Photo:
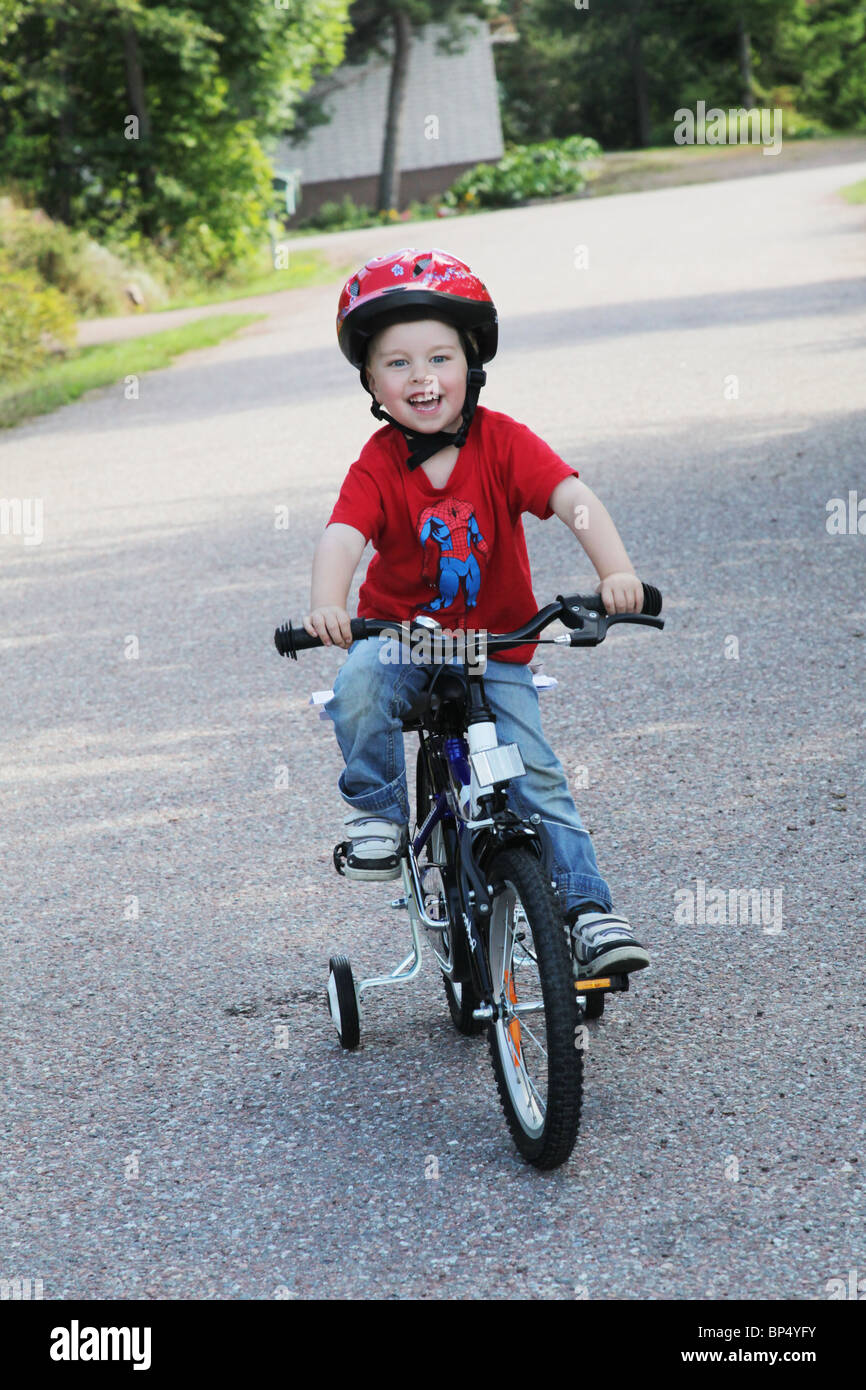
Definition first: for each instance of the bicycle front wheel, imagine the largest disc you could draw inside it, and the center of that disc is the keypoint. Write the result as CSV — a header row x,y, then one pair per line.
x,y
536,1043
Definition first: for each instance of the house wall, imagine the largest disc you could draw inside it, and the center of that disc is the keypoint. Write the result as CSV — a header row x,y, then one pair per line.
x,y
414,184
451,122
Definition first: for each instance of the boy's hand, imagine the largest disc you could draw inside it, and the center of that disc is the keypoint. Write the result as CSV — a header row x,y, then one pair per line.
x,y
621,592
332,624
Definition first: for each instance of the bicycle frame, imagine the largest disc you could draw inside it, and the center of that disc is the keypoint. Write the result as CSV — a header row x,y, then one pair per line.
x,y
453,803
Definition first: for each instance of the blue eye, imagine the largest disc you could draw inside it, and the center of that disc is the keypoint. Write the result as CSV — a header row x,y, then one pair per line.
x,y
440,356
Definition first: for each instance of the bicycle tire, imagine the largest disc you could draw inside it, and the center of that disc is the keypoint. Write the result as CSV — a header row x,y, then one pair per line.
x,y
541,1099
342,1001
461,998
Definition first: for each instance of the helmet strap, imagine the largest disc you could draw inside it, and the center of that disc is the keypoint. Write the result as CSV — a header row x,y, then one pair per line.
x,y
423,446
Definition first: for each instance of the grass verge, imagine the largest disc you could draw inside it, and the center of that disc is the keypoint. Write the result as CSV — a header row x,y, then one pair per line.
x,y
672,166
854,192
83,369
304,268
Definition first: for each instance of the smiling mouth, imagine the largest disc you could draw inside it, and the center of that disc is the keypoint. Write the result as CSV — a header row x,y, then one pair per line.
x,y
425,405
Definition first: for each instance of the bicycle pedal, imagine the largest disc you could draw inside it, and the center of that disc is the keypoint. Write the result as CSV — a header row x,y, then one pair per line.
x,y
399,902
340,853
614,983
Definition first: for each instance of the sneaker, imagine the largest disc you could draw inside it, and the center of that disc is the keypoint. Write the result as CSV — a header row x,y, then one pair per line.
x,y
373,847
603,943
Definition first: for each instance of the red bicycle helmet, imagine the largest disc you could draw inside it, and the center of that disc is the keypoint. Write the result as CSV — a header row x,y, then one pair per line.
x,y
412,284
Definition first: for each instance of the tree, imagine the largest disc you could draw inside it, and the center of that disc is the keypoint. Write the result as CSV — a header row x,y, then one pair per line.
x,y
10,13
833,85
389,26
133,117
619,69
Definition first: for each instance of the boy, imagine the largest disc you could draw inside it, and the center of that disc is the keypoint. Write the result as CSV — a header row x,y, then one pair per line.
x,y
444,517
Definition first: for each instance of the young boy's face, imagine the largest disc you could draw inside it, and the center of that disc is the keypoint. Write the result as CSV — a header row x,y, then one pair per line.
x,y
422,361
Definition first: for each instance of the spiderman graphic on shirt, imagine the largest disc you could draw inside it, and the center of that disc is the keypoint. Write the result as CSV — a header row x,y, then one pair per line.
x,y
448,531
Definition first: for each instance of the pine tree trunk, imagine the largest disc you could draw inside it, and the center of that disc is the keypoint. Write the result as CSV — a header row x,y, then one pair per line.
x,y
138,105
639,80
389,182
63,169
745,57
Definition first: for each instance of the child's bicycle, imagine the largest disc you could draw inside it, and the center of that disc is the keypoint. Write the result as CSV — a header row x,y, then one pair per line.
x,y
475,879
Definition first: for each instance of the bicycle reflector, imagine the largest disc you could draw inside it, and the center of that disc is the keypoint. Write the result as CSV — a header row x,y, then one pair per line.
x,y
492,765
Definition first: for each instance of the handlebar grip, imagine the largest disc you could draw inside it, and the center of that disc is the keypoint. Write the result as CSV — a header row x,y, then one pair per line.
x,y
652,602
291,640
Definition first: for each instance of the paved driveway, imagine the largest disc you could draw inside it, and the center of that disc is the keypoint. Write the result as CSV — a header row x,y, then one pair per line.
x,y
179,1119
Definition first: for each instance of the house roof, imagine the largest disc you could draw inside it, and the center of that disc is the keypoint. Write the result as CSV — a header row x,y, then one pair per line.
x,y
451,114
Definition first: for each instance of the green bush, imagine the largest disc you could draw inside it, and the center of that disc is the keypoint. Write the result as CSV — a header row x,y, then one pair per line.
x,y
525,171
34,320
796,126
345,215
746,126
92,277
216,221
339,216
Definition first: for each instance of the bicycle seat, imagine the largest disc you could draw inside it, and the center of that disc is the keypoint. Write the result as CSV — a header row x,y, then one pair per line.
x,y
448,685
414,715
448,688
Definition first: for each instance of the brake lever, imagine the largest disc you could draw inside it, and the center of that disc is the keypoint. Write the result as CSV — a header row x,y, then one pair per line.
x,y
595,626
575,615
643,618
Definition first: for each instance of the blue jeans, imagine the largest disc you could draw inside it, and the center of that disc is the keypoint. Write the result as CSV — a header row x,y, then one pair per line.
x,y
369,698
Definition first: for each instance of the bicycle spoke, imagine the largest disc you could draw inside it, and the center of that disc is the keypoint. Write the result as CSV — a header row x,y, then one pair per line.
x,y
518,964
524,1080
524,1028
525,956
540,1103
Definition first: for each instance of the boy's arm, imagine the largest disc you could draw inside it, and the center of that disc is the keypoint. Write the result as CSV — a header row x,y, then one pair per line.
x,y
335,560
580,510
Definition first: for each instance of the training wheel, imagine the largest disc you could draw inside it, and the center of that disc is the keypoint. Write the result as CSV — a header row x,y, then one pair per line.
x,y
343,1001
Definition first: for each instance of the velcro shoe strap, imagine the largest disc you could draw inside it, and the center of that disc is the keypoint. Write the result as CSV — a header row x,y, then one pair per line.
x,y
597,928
362,829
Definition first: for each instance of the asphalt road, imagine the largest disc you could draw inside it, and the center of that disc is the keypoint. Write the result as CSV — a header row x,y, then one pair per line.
x,y
179,1120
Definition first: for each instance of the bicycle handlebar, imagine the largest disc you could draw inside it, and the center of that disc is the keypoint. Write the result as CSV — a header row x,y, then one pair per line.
x,y
584,614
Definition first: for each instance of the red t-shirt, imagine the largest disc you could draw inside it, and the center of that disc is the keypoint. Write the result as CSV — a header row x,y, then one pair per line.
x,y
457,553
